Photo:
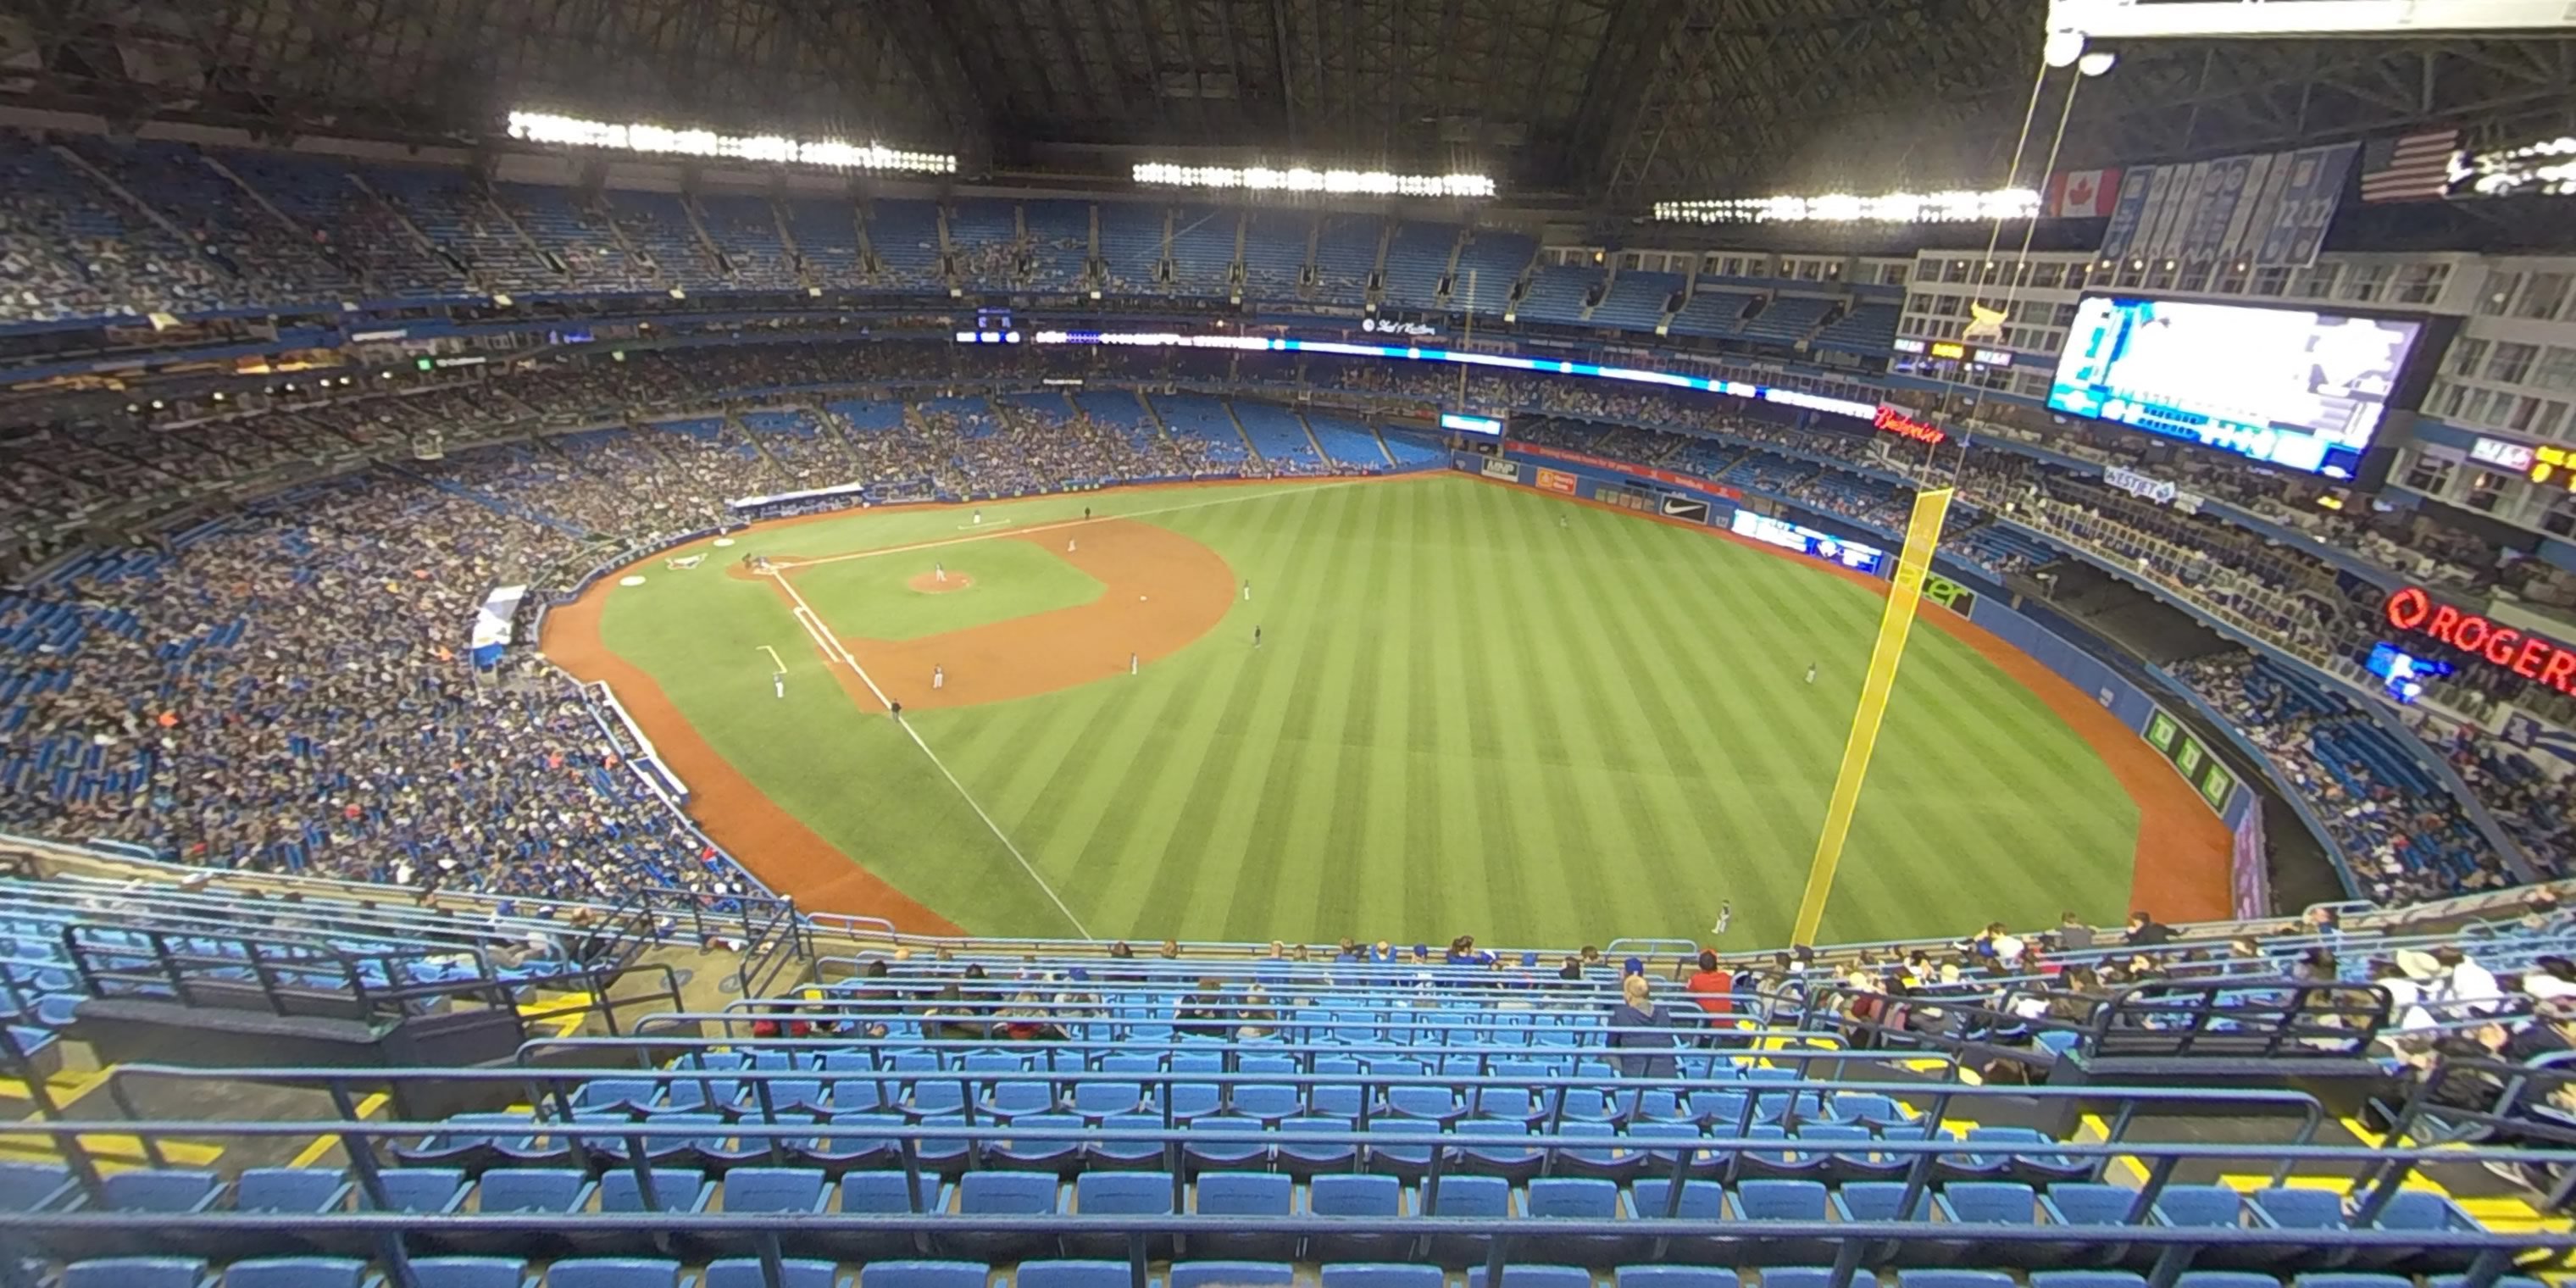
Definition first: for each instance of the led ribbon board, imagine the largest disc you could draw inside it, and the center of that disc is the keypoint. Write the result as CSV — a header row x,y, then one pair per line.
x,y
2536,658
1798,398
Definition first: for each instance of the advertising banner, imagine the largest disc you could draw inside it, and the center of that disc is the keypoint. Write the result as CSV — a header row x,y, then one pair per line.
x,y
1557,481
1508,471
1710,486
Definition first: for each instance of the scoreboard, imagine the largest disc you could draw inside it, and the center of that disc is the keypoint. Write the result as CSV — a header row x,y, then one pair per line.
x,y
1475,424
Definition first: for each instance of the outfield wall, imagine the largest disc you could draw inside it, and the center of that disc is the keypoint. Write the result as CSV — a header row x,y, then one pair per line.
x,y
1608,482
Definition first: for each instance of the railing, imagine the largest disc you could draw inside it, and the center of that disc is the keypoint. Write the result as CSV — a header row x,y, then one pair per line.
x,y
2376,1178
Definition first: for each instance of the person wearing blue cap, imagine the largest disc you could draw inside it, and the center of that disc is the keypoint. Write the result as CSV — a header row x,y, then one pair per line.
x,y
1632,966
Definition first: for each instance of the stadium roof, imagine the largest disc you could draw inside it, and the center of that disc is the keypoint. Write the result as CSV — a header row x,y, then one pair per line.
x,y
1626,99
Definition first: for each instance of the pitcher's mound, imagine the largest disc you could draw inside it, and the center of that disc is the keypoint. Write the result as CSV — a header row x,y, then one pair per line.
x,y
928,583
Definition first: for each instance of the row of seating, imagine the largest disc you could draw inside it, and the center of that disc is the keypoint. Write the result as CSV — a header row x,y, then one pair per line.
x,y
1959,1222
748,1272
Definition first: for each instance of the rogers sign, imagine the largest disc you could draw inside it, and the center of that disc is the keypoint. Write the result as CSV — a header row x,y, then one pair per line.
x,y
2533,657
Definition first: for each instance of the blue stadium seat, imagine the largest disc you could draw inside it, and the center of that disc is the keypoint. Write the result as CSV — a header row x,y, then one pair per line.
x,y
1063,1155
297,1272
1355,1196
2092,1279
883,1193
1120,1194
1126,1154
1518,1275
1071,1274
613,1272
1477,1196
1307,1158
520,1189
1231,1274
137,1272
745,1272
922,1274
621,1190
1369,1275
1220,1155
1779,1200
1579,1199
1674,1277
1877,1201
471,1272
1236,1194
1001,1194
35,1187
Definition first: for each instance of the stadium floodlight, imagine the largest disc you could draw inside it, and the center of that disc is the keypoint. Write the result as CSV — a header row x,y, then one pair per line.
x,y
1842,208
2062,47
2543,169
1301,179
545,127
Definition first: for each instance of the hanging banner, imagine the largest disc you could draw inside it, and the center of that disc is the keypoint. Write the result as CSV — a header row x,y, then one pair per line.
x,y
491,631
2268,209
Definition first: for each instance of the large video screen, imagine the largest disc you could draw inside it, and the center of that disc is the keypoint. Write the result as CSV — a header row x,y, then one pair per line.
x,y
2290,387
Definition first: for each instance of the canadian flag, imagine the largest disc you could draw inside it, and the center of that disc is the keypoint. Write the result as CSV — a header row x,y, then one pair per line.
x,y
2081,194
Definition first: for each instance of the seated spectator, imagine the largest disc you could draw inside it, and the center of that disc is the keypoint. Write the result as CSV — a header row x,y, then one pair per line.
x,y
1640,1050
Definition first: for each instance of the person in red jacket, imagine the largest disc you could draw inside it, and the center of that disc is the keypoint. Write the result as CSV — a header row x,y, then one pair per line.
x,y
1712,989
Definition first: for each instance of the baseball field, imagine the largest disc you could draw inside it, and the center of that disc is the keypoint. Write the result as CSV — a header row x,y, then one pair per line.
x,y
1403,709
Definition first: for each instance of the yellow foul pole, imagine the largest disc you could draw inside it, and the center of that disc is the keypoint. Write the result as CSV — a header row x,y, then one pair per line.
x,y
1922,535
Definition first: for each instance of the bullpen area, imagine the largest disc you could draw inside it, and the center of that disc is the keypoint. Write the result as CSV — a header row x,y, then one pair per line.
x,y
1470,709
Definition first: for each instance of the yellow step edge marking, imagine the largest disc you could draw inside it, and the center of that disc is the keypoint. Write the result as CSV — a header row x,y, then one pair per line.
x,y
2101,1133
325,1144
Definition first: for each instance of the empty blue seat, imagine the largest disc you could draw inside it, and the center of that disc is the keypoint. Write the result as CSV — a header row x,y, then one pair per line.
x,y
1127,1154
1240,1194
1120,1194
922,1274
1345,1195
883,1194
1579,1199
2427,1212
1774,1200
1368,1275
296,1272
1205,1154
1534,1276
1063,1154
1001,1194
1953,1279
35,1187
1310,1157
745,1272
1675,1277
1471,1196
1231,1274
1071,1274
1877,1201
1995,1203
2092,1279
137,1272
613,1272
471,1272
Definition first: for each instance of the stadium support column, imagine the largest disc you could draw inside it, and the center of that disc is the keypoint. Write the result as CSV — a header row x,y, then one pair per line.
x,y
1922,535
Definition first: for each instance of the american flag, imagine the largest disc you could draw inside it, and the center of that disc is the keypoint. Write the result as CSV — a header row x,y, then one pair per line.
x,y
2413,167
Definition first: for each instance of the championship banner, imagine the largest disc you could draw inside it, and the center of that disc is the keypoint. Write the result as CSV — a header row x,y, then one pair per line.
x,y
2270,208
1913,569
491,631
1557,481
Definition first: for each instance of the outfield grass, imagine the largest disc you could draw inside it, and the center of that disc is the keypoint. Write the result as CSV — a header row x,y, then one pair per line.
x,y
1466,719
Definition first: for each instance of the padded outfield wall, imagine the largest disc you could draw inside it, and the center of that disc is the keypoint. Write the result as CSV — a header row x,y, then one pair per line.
x,y
1684,498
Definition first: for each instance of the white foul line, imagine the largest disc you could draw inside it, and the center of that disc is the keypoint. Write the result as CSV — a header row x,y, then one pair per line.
x,y
832,647
1294,490
774,663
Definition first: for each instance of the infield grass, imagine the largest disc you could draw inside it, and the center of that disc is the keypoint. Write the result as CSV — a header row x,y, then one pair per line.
x,y
1467,717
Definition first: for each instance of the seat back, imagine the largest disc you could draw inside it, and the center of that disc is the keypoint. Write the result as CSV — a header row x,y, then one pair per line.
x,y
1470,1196
1007,1193
287,1189
1123,1193
421,1189
882,1193
774,1189
1243,1194
1990,1202
162,1190
1381,1276
1071,1274
135,1272
675,1189
296,1272
469,1272
923,1274
1231,1274
1340,1195
1572,1198
613,1272
1777,1201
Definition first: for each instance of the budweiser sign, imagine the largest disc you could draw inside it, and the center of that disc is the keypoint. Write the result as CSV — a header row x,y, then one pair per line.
x,y
1892,421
